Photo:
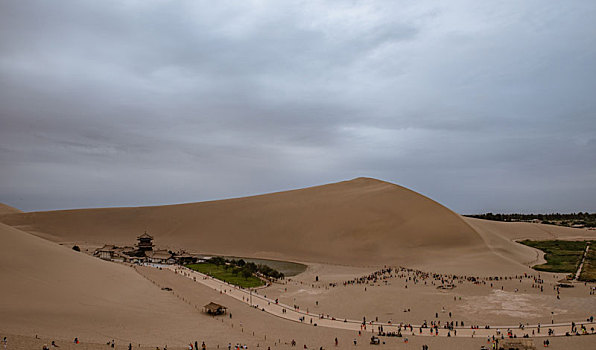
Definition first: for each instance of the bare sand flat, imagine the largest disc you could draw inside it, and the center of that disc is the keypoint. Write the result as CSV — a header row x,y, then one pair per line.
x,y
19,342
506,302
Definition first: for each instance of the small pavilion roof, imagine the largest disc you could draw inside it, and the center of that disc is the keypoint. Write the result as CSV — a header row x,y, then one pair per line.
x,y
213,307
145,235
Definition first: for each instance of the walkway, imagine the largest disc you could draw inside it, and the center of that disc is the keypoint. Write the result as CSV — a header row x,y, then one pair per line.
x,y
581,264
257,301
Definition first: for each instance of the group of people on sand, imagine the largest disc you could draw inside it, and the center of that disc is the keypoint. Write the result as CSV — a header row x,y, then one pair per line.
x,y
418,276
53,344
196,346
374,277
111,344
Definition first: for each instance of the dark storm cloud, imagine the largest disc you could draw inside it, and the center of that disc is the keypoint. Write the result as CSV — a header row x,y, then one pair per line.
x,y
482,107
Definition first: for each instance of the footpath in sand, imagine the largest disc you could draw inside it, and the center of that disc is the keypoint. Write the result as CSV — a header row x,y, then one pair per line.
x,y
581,264
254,299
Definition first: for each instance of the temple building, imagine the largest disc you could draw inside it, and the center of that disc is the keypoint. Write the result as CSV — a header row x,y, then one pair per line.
x,y
145,243
161,256
143,252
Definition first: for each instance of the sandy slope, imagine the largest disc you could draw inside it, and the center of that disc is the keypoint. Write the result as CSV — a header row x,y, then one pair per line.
x,y
358,222
7,209
53,291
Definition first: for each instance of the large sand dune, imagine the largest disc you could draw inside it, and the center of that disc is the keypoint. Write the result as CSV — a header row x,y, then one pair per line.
x,y
53,291
359,222
363,221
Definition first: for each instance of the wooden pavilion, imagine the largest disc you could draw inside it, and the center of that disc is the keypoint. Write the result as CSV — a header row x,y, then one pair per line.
x,y
215,309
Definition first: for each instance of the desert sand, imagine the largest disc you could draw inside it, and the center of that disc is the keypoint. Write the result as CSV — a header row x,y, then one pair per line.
x,y
362,222
341,231
6,209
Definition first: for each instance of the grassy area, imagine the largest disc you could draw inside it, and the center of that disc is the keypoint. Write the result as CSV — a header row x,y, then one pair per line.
x,y
560,256
589,269
289,269
227,273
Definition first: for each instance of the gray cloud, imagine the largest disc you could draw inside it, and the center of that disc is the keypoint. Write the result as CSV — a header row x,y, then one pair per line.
x,y
482,107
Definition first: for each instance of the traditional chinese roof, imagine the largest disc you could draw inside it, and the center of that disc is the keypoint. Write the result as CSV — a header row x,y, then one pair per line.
x,y
145,235
161,254
107,248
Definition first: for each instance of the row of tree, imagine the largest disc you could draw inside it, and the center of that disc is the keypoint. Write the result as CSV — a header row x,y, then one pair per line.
x,y
248,268
586,219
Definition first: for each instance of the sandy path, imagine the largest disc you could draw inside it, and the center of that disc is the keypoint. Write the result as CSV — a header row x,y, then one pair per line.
x,y
289,313
581,264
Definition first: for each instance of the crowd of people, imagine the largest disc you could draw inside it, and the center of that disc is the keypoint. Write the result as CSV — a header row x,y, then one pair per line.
x,y
417,276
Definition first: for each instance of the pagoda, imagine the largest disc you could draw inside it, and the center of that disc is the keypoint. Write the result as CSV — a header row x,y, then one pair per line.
x,y
145,243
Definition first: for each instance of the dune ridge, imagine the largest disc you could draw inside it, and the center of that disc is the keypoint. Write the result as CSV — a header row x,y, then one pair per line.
x,y
7,209
362,221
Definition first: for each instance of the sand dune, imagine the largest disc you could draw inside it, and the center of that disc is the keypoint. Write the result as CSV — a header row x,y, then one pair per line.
x,y
54,291
7,209
359,222
363,221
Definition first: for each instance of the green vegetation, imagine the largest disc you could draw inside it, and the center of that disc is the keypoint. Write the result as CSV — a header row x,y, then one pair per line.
x,y
287,268
574,219
237,272
261,269
561,256
228,273
589,270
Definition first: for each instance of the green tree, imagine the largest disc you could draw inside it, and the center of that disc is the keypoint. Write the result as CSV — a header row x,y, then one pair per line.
x,y
246,273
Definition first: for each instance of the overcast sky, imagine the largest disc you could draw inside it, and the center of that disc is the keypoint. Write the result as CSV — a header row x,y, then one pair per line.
x,y
482,106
